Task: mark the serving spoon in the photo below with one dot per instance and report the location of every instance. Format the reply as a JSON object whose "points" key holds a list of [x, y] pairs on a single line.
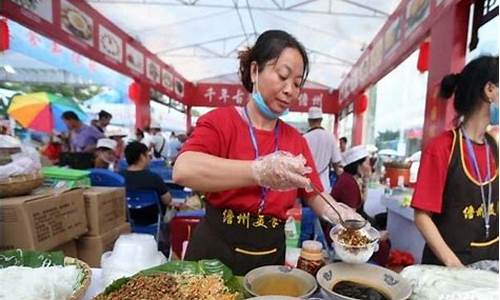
{"points": [[350, 224]]}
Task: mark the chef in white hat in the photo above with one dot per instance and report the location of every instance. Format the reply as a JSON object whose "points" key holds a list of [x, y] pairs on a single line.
{"points": [[105, 157], [349, 188], [118, 135], [323, 146]]}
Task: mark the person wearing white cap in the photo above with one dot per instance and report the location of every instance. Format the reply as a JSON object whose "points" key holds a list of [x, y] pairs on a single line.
{"points": [[159, 143], [325, 153], [349, 187], [118, 135], [322, 145], [105, 154]]}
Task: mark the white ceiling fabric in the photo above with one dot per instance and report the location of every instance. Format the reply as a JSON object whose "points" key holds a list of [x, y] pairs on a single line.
{"points": [[200, 38]]}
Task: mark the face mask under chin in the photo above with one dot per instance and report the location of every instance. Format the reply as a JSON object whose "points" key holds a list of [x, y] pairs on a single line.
{"points": [[262, 106], [494, 113]]}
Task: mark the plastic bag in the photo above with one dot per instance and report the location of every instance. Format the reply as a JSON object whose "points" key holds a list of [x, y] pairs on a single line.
{"points": [[437, 282], [23, 163]]}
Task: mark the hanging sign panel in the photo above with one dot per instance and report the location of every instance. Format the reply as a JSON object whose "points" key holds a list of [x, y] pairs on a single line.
{"points": [[78, 26], [216, 95], [403, 31]]}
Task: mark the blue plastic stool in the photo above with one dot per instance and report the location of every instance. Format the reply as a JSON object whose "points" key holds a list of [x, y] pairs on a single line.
{"points": [[137, 199]]}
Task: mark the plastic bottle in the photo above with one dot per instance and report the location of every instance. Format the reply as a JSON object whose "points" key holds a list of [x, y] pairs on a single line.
{"points": [[387, 189], [311, 257]]}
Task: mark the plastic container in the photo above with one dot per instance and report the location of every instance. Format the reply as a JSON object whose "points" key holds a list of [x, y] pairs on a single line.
{"points": [[355, 254], [311, 257], [58, 177], [131, 254], [64, 173], [394, 172]]}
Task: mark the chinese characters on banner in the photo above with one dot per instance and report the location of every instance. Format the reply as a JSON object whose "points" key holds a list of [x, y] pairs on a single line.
{"points": [[407, 26], [214, 95]]}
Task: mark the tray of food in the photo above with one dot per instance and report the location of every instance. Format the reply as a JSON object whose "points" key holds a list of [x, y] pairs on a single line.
{"points": [[180, 280], [42, 276]]}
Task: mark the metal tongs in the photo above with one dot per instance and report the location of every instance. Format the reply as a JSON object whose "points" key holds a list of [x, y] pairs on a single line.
{"points": [[351, 224]]}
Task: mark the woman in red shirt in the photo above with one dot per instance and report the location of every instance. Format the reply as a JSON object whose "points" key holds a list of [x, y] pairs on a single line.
{"points": [[349, 187], [251, 164], [456, 195]]}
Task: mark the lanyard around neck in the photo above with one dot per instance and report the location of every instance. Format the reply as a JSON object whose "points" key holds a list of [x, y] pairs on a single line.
{"points": [[486, 201], [263, 190]]}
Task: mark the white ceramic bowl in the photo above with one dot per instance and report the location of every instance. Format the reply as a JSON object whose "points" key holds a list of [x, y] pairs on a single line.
{"points": [[384, 280], [355, 254], [308, 282]]}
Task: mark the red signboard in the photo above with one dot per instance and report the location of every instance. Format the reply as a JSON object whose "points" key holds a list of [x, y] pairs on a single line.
{"points": [[81, 28], [404, 30], [216, 95]]}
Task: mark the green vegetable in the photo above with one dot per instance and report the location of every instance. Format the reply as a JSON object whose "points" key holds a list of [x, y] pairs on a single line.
{"points": [[116, 285]]}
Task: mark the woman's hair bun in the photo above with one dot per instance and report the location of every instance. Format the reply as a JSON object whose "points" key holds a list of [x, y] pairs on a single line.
{"points": [[448, 85]]}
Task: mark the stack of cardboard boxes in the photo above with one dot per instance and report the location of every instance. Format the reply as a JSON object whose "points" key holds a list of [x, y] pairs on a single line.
{"points": [[42, 222], [81, 223], [107, 219]]}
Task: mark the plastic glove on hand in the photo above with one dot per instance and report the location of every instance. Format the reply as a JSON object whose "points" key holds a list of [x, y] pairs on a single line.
{"points": [[346, 212], [281, 171]]}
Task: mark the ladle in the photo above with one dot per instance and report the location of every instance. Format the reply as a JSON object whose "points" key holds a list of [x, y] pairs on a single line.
{"points": [[351, 224]]}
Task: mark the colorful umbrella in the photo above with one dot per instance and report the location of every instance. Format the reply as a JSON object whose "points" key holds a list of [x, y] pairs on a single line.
{"points": [[42, 111]]}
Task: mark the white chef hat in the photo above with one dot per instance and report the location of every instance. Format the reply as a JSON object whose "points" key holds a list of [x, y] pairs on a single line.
{"points": [[118, 132], [354, 154], [155, 125], [315, 112], [106, 143]]}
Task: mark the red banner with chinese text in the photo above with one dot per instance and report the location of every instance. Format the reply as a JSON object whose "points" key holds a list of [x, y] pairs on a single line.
{"points": [[216, 95]]}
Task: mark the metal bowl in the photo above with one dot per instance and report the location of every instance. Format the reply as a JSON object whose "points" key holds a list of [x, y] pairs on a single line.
{"points": [[384, 280], [307, 282]]}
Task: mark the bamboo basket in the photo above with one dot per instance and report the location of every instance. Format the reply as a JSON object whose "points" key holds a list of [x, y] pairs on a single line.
{"points": [[20, 185], [80, 290]]}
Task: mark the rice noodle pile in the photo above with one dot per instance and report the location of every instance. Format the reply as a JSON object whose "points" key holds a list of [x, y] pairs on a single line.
{"points": [[44, 283]]}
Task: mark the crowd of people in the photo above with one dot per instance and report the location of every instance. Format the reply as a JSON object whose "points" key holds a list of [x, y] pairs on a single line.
{"points": [[252, 166], [94, 146]]}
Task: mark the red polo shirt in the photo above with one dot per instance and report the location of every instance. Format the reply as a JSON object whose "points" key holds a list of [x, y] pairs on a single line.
{"points": [[346, 190], [224, 133], [431, 181]]}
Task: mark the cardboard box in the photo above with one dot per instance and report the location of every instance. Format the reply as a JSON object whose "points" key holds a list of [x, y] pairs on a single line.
{"points": [[42, 222], [105, 208], [91, 248], [68, 248]]}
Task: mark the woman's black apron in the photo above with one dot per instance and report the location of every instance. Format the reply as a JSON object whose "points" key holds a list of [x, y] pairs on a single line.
{"points": [[461, 222], [240, 240]]}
